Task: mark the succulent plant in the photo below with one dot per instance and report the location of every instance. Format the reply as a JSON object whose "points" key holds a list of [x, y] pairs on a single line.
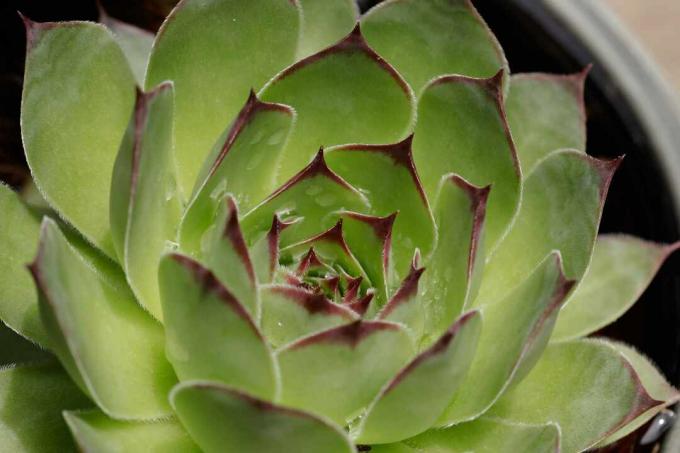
{"points": [[209, 278]]}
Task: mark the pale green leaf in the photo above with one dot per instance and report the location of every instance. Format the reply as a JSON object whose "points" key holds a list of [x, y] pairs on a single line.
{"points": [[95, 432], [427, 38], [344, 94], [621, 269], [462, 129], [413, 400], [561, 209], [77, 99], [145, 208], [222, 419], [31, 400], [215, 51], [546, 112], [585, 386], [324, 22], [339, 371], [109, 345], [208, 332], [516, 330], [405, 306]]}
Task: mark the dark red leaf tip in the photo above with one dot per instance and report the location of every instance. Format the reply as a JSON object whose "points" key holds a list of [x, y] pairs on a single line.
{"points": [[406, 292], [360, 307], [382, 226], [312, 302], [309, 261], [349, 335], [232, 232], [353, 287], [478, 195]]}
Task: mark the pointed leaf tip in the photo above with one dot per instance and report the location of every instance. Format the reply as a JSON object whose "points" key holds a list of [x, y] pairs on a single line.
{"points": [[350, 334]]}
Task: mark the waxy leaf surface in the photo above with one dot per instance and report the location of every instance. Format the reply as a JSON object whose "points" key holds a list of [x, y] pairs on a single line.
{"points": [[324, 23], [223, 419], [215, 51], [78, 96]]}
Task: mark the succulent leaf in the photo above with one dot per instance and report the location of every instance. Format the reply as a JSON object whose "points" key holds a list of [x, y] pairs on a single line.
{"points": [[343, 94], [32, 398], [108, 344], [424, 39], [222, 419], [585, 386], [64, 141], [145, 208], [462, 129], [215, 51], [354, 360], [546, 112], [413, 400], [621, 269], [228, 347], [561, 207], [94, 431], [516, 330], [324, 23], [405, 307]]}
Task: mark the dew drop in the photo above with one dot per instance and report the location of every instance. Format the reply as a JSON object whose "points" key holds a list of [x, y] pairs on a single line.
{"points": [[171, 246], [659, 425], [276, 138]]}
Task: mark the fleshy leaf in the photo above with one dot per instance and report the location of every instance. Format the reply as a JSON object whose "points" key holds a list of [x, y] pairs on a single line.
{"points": [[265, 251], [655, 384], [546, 112], [31, 400], [413, 400], [370, 238], [343, 94], [135, 42], [516, 330], [483, 435], [208, 332], [222, 419], [243, 163], [226, 255], [94, 431], [455, 268], [215, 51], [72, 70], [19, 231], [561, 208], [585, 386], [387, 176], [324, 23], [427, 38], [338, 371], [108, 344], [462, 129], [621, 268], [145, 208], [315, 195], [405, 307], [289, 313]]}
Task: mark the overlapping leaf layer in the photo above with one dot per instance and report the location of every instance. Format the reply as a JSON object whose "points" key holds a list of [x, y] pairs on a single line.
{"points": [[312, 232]]}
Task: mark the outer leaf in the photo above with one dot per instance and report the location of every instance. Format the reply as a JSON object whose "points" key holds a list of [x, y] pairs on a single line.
{"points": [[546, 112], [223, 419], [324, 23], [387, 175], [145, 208], [620, 270], [561, 208], [462, 129], [31, 400], [516, 330], [413, 400], [454, 269], [228, 346], [315, 196], [585, 386], [425, 39], [339, 371], [653, 381], [243, 163], [215, 51], [227, 256], [343, 94], [135, 42], [72, 70], [19, 231], [109, 345], [95, 432], [289, 313]]}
